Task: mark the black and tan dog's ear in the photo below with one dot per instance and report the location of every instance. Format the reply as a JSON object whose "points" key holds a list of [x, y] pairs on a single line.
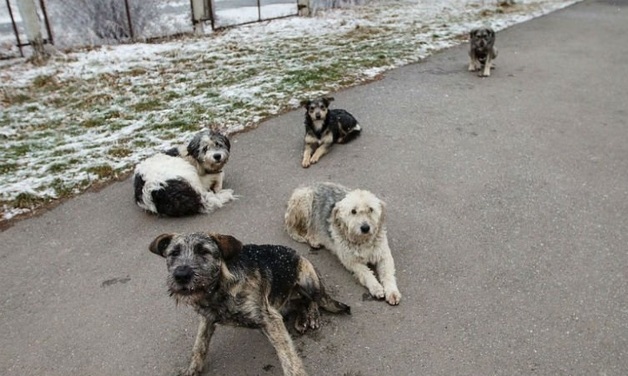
{"points": [[305, 103], [328, 100], [160, 244], [228, 245]]}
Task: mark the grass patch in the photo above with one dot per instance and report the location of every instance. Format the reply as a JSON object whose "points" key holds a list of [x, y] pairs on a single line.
{"points": [[102, 171], [93, 123], [149, 105], [19, 150], [8, 167], [119, 152], [62, 190], [28, 201], [15, 99], [48, 82], [57, 167]]}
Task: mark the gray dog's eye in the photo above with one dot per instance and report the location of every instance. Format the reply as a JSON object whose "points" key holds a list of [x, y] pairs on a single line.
{"points": [[205, 149], [175, 252], [353, 211]]}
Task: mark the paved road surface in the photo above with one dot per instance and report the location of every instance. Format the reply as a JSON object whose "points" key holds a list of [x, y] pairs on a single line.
{"points": [[508, 217]]}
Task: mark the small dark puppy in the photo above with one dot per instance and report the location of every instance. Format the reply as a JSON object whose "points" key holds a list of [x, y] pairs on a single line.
{"points": [[250, 286], [482, 51], [325, 127]]}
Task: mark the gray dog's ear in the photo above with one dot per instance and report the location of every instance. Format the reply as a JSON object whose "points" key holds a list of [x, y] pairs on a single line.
{"points": [[472, 33], [228, 245], [160, 244]]}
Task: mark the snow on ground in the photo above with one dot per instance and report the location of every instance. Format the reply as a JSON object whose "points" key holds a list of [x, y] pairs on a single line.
{"points": [[91, 116]]}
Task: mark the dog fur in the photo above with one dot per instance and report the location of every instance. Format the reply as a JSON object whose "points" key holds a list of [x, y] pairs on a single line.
{"points": [[251, 286], [482, 50], [185, 180], [325, 127], [351, 224]]}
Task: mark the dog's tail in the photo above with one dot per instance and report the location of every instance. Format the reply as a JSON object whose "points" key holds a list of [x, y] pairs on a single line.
{"points": [[212, 201], [311, 287], [330, 304]]}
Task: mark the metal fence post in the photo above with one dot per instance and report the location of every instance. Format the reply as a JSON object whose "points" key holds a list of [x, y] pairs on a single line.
{"points": [[128, 17]]}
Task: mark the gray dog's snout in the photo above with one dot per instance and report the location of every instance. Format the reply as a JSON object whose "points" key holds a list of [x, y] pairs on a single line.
{"points": [[217, 157], [183, 274], [365, 228]]}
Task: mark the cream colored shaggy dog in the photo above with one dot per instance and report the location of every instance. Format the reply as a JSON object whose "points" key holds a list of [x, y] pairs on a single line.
{"points": [[349, 223]]}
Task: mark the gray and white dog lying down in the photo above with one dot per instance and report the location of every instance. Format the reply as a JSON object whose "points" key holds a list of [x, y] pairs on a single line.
{"points": [[351, 224], [185, 180]]}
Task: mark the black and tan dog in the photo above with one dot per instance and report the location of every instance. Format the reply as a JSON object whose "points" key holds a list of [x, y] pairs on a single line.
{"points": [[251, 286], [325, 127], [482, 50]]}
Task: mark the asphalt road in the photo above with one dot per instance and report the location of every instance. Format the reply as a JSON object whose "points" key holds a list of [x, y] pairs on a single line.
{"points": [[507, 213]]}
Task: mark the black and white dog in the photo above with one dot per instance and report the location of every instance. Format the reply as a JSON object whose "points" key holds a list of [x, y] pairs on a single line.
{"points": [[185, 180], [325, 127]]}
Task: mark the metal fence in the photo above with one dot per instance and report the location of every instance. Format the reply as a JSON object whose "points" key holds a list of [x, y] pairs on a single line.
{"points": [[82, 23]]}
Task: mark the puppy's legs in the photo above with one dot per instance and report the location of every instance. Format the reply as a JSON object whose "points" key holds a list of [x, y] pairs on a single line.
{"points": [[310, 144], [199, 352], [274, 328], [217, 184], [212, 182], [365, 276], [307, 155], [386, 273], [474, 64], [213, 200], [326, 141], [487, 66]]}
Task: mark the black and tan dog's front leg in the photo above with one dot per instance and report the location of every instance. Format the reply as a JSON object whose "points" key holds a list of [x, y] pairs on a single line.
{"points": [[326, 141], [274, 328], [206, 329], [308, 149], [474, 63], [486, 71]]}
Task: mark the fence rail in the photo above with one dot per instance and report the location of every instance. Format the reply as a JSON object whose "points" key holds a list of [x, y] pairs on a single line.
{"points": [[81, 23]]}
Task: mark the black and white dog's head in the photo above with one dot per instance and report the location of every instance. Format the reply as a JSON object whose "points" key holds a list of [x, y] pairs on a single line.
{"points": [[318, 108], [482, 38], [210, 149]]}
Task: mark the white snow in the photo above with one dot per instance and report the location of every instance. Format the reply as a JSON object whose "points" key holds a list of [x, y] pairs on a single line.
{"points": [[102, 111]]}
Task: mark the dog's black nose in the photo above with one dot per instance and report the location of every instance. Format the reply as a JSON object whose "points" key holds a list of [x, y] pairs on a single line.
{"points": [[365, 228], [183, 274], [217, 157]]}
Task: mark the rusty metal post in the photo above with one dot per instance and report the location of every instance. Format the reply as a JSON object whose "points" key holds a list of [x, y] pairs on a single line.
{"points": [[128, 17], [15, 30], [48, 29], [259, 10]]}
